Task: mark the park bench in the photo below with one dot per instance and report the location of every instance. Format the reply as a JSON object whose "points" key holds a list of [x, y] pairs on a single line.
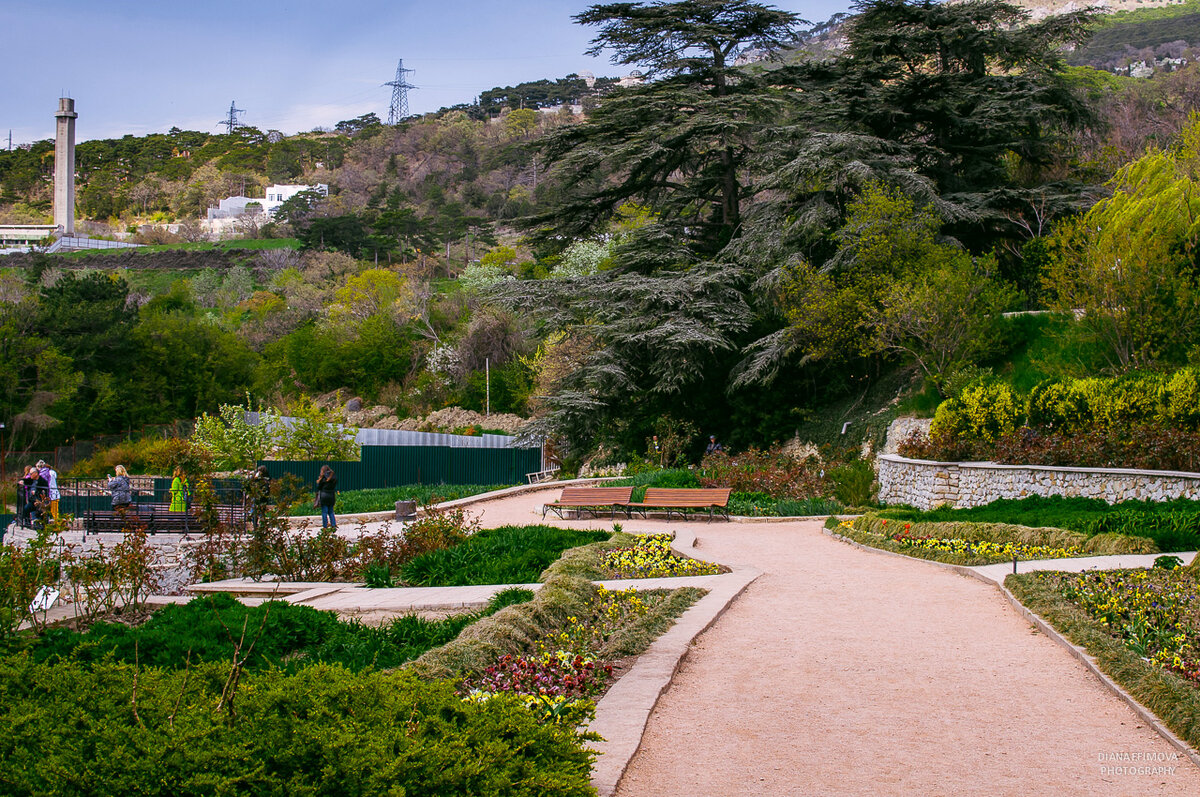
{"points": [[155, 519], [152, 518], [713, 499], [589, 499]]}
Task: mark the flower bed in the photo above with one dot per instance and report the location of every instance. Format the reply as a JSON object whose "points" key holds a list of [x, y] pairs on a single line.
{"points": [[651, 557], [994, 551], [570, 666], [1142, 628], [1156, 613]]}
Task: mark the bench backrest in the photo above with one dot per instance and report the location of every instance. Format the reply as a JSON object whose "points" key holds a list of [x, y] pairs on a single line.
{"points": [[596, 496], [687, 496]]}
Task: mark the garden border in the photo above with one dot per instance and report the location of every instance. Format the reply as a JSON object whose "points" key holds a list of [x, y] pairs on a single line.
{"points": [[1084, 658], [623, 712]]}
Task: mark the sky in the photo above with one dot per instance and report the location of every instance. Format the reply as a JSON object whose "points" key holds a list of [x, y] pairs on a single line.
{"points": [[143, 67]]}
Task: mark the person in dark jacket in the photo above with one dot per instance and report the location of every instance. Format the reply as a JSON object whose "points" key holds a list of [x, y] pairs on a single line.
{"points": [[327, 497], [26, 489], [121, 489]]}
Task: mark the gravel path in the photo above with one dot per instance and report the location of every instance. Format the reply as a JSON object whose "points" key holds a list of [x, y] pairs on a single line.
{"points": [[839, 672], [842, 672]]}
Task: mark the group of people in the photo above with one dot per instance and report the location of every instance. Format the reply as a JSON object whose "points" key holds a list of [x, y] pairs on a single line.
{"points": [[258, 496], [37, 495]]}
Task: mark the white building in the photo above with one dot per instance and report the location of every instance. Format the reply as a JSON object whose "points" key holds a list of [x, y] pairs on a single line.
{"points": [[235, 206]]}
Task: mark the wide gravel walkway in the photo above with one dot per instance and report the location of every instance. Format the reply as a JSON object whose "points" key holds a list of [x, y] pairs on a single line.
{"points": [[844, 672]]}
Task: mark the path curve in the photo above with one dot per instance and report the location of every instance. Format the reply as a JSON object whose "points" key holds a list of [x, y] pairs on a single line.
{"points": [[842, 672]]}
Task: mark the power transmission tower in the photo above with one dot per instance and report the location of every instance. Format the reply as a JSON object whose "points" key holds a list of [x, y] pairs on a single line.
{"points": [[231, 122], [398, 110]]}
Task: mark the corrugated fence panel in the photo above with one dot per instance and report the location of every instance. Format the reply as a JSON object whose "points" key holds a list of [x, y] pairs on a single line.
{"points": [[391, 466]]}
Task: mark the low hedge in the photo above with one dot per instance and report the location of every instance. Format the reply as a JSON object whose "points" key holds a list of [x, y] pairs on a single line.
{"points": [[1173, 525], [877, 532], [283, 635], [113, 728], [1172, 699], [505, 555]]}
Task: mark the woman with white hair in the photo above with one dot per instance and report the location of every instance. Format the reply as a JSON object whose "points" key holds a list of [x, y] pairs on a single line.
{"points": [[122, 491]]}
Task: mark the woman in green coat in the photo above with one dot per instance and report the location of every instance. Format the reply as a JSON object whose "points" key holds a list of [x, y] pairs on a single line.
{"points": [[179, 491]]}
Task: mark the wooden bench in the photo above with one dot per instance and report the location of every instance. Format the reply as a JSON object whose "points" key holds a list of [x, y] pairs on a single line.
{"points": [[714, 499], [589, 499]]}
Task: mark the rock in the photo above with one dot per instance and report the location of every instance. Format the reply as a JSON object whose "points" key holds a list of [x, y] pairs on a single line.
{"points": [[354, 404]]}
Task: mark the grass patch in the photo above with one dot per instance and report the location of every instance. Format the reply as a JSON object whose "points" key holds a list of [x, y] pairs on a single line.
{"points": [[1172, 525], [292, 636], [195, 246], [1175, 701], [506, 555], [384, 499]]}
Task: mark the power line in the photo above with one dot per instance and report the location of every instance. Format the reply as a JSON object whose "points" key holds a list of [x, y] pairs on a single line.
{"points": [[231, 121], [398, 109]]}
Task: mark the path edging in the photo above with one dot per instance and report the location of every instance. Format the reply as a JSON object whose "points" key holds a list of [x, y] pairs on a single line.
{"points": [[624, 711], [1079, 653]]}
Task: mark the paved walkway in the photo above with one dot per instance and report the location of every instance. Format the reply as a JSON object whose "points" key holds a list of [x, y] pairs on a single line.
{"points": [[844, 672]]}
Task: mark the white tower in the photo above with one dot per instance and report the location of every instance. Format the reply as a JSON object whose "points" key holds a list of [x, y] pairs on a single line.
{"points": [[64, 166]]}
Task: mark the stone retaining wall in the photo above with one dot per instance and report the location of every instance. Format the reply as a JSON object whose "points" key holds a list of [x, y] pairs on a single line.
{"points": [[925, 484]]}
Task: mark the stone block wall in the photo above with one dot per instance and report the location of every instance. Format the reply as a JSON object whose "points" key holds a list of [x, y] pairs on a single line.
{"points": [[925, 484]]}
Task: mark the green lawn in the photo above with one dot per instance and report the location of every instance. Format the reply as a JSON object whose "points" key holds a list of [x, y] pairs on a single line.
{"points": [[385, 498]]}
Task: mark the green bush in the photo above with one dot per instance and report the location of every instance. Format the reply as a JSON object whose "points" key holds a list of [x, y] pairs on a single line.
{"points": [[112, 728], [1181, 399], [507, 555], [989, 411], [854, 482], [291, 636], [1058, 403], [763, 505]]}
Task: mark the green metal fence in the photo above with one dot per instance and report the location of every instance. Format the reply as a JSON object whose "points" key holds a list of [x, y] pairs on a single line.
{"points": [[392, 466]]}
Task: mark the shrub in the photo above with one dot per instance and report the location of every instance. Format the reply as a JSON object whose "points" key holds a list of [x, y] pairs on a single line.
{"points": [[1181, 399], [507, 555], [1059, 404], [321, 728], [144, 455], [1129, 400], [277, 634], [989, 411], [771, 472], [854, 482]]}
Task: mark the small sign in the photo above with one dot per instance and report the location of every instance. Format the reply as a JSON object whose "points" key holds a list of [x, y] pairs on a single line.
{"points": [[45, 598]]}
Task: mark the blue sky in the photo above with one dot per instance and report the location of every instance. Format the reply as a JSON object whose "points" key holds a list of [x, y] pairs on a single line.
{"points": [[140, 67]]}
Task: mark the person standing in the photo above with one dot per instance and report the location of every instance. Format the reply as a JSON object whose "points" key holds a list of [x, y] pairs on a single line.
{"points": [[258, 495], [27, 496], [51, 476], [121, 489], [713, 446], [327, 497], [39, 493], [179, 491]]}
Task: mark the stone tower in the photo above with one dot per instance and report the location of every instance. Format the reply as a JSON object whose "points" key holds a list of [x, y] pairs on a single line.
{"points": [[64, 166]]}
